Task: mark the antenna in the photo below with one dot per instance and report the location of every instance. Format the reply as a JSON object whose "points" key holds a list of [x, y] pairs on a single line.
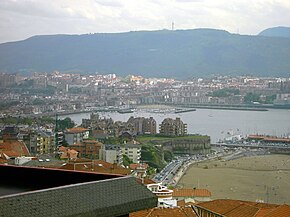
{"points": [[172, 26]]}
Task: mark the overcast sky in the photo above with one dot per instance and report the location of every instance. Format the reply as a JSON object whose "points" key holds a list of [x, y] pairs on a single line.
{"points": [[20, 19]]}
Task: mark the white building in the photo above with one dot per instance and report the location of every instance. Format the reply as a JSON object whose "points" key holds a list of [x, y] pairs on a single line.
{"points": [[164, 195], [23, 160], [133, 151], [111, 153]]}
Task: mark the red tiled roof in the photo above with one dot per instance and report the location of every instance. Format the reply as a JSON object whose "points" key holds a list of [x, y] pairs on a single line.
{"points": [[145, 181], [62, 148], [243, 210], [3, 161], [281, 211], [16, 146], [103, 163], [72, 151], [181, 203], [12, 153], [95, 167], [184, 192], [269, 138], [263, 211], [238, 208], [165, 212], [77, 130], [134, 166]]}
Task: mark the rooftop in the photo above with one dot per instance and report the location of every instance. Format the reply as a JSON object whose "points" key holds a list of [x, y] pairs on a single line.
{"points": [[76, 130], [238, 208], [28, 191], [166, 212], [184, 192]]}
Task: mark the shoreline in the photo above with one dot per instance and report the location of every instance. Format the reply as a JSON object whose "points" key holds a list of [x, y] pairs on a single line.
{"points": [[190, 107]]}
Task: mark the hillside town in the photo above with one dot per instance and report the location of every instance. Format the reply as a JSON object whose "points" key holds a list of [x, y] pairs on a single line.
{"points": [[35, 135]]}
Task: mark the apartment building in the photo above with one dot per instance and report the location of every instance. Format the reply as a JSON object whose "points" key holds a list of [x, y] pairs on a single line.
{"points": [[133, 151], [171, 127], [76, 135], [142, 125], [111, 153]]}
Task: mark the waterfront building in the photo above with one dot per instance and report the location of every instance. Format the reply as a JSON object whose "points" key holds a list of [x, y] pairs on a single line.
{"points": [[282, 100], [142, 125], [171, 127]]}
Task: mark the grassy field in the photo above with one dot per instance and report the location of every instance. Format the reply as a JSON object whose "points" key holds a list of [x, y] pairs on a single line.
{"points": [[250, 178]]}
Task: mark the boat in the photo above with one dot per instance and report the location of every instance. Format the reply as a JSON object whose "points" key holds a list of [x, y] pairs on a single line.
{"points": [[124, 111], [183, 110]]}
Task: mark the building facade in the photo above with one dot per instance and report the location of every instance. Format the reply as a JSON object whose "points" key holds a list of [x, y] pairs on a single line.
{"points": [[76, 135], [111, 153], [133, 151], [171, 127]]}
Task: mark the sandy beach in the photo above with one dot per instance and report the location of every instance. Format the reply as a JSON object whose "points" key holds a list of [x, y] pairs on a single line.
{"points": [[264, 178]]}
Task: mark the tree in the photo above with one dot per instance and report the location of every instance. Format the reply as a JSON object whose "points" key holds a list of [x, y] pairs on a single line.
{"points": [[251, 97], [65, 124], [126, 160]]}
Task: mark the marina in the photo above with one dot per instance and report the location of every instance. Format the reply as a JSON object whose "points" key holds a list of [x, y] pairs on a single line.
{"points": [[215, 123]]}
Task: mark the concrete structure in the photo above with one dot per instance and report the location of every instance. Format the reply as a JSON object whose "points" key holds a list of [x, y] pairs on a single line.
{"points": [[191, 145], [164, 195], [76, 135], [22, 160], [132, 151], [111, 153], [171, 127]]}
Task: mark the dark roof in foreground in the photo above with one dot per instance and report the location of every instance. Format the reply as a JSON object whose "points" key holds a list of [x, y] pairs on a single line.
{"points": [[75, 194]]}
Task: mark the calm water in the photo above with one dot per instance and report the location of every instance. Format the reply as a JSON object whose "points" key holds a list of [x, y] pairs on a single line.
{"points": [[216, 123]]}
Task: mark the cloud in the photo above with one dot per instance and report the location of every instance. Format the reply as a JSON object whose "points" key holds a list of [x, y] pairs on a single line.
{"points": [[20, 19], [189, 1]]}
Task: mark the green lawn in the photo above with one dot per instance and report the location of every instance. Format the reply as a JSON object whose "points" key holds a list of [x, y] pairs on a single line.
{"points": [[148, 138]]}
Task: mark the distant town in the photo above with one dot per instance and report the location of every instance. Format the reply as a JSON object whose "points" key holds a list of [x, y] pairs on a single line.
{"points": [[58, 92]]}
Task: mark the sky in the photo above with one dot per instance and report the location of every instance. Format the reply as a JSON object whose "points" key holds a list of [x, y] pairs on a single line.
{"points": [[21, 19]]}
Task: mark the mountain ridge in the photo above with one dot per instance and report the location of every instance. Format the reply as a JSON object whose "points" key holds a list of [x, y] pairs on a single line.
{"points": [[279, 31], [161, 53]]}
